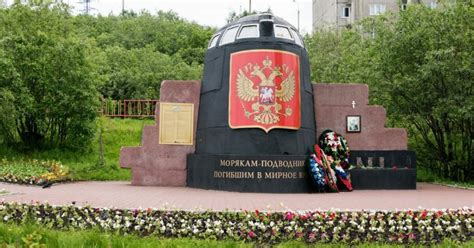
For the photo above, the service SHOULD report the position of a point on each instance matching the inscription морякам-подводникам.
(262, 163)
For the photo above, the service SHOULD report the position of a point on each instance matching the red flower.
(257, 212)
(251, 234)
(304, 217)
(424, 214)
(440, 213)
(289, 216)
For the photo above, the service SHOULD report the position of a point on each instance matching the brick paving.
(123, 195)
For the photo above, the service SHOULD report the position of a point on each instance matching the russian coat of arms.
(264, 90)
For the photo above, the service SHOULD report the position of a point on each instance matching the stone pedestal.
(157, 164)
(381, 151)
(333, 102)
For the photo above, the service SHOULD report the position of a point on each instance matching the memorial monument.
(250, 124)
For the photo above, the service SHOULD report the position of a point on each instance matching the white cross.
(353, 104)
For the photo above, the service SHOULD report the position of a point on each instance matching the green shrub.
(137, 73)
(48, 84)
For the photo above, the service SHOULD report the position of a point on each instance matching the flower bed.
(32, 171)
(420, 226)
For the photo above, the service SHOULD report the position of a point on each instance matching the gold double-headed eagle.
(246, 91)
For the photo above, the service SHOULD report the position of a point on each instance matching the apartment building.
(343, 13)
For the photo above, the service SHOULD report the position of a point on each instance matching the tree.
(426, 58)
(137, 73)
(418, 64)
(48, 85)
(233, 16)
(346, 56)
(166, 32)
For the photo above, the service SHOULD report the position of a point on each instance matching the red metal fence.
(128, 108)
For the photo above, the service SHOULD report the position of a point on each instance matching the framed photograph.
(353, 124)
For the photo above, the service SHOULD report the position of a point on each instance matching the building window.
(373, 34)
(346, 12)
(377, 9)
(250, 31)
(229, 35)
(403, 4)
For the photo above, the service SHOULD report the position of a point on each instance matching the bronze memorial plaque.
(176, 123)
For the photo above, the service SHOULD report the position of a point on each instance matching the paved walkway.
(123, 195)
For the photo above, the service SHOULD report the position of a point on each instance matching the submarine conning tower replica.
(256, 121)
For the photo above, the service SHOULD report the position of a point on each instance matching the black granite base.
(387, 159)
(249, 173)
(289, 173)
(380, 178)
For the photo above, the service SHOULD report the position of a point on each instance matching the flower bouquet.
(327, 163)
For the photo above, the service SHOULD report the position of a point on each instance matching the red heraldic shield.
(264, 90)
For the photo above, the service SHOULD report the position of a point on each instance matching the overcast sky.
(208, 12)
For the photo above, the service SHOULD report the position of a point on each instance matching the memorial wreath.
(328, 162)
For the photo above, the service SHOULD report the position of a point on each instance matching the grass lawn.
(35, 236)
(424, 175)
(84, 165)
